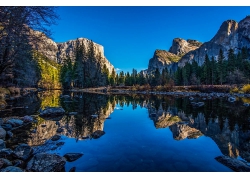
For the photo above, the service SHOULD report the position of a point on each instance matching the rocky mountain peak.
(161, 60)
(227, 30)
(244, 32)
(181, 46)
(231, 35)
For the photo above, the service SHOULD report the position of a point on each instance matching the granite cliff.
(231, 35)
(168, 59)
(58, 52)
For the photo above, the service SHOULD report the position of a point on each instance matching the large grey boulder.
(2, 144)
(72, 156)
(52, 112)
(15, 122)
(43, 162)
(23, 151)
(234, 164)
(97, 134)
(55, 138)
(12, 169)
(2, 133)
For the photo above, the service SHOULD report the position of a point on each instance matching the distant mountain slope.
(230, 35)
(168, 59)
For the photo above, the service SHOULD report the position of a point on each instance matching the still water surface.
(142, 133)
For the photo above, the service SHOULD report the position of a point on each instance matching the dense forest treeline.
(234, 69)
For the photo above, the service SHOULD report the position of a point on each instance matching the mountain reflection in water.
(177, 127)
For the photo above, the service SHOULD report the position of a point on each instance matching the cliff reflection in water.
(79, 122)
(224, 122)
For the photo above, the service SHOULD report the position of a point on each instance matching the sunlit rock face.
(58, 52)
(230, 35)
(162, 59)
(168, 59)
(181, 46)
(68, 49)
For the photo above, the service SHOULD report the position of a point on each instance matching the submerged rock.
(59, 130)
(15, 122)
(23, 151)
(73, 169)
(231, 99)
(191, 98)
(52, 112)
(28, 119)
(55, 138)
(246, 104)
(72, 156)
(60, 143)
(43, 162)
(2, 133)
(12, 169)
(65, 96)
(198, 104)
(72, 113)
(2, 144)
(97, 134)
(234, 164)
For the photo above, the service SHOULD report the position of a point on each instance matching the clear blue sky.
(131, 34)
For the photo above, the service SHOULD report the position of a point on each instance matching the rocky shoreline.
(24, 158)
(231, 97)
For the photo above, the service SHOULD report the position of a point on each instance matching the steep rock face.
(45, 45)
(230, 35)
(168, 59)
(181, 46)
(59, 51)
(68, 49)
(162, 59)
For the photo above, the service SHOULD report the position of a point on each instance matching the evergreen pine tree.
(220, 67)
(231, 60)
